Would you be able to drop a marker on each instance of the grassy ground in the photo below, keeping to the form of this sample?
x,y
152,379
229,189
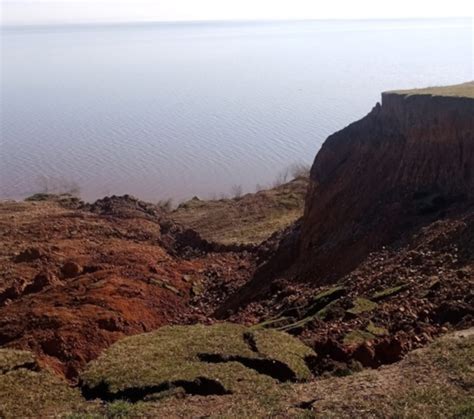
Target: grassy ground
x,y
26,391
433,382
458,90
225,356
251,218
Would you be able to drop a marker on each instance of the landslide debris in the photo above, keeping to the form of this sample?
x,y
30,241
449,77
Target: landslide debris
x,y
382,263
74,280
398,299
376,182
389,216
436,381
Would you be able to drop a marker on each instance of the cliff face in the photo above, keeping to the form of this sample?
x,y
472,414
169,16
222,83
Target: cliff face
x,y
407,164
402,165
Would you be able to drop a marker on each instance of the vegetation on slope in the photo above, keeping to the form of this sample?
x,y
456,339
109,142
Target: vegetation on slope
x,y
435,382
218,359
457,90
248,219
27,391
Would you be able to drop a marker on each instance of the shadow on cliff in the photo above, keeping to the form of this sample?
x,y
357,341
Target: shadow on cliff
x,y
375,183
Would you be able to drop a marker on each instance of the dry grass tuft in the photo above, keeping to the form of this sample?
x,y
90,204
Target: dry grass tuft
x,y
457,90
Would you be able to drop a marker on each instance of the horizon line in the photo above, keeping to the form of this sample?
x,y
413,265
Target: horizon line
x,y
222,21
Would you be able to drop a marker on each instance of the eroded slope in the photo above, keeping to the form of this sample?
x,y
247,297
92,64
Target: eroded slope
x,y
248,219
76,278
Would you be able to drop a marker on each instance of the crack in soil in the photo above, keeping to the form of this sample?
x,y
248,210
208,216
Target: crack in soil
x,y
249,339
31,366
201,386
306,404
275,369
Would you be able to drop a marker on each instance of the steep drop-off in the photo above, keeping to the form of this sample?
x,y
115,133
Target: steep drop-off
x,y
375,183
402,165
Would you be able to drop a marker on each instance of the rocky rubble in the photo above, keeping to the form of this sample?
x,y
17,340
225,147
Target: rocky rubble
x,y
388,219
75,280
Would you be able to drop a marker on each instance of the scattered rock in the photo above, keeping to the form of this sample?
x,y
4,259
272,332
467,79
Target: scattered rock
x,y
30,254
40,281
389,350
71,269
388,292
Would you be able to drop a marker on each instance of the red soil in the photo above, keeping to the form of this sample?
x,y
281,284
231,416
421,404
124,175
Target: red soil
x,y
75,280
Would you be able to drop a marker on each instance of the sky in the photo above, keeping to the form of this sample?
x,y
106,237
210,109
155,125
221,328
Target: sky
x,y
17,12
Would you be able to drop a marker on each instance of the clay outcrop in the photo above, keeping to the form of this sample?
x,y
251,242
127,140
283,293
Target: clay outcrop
x,y
405,164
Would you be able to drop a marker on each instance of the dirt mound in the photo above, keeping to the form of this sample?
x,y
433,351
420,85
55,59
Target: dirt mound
x,y
125,206
73,281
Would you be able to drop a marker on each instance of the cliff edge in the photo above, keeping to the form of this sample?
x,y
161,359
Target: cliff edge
x,y
406,165
403,165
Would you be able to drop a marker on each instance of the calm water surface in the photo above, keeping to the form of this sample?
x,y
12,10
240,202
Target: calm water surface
x,y
176,110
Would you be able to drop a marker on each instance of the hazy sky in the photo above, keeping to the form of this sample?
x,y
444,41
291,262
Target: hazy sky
x,y
67,11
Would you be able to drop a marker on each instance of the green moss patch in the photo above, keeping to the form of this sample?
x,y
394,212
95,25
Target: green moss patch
x,y
219,359
323,299
298,325
296,318
357,337
273,323
362,305
329,294
376,330
388,292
